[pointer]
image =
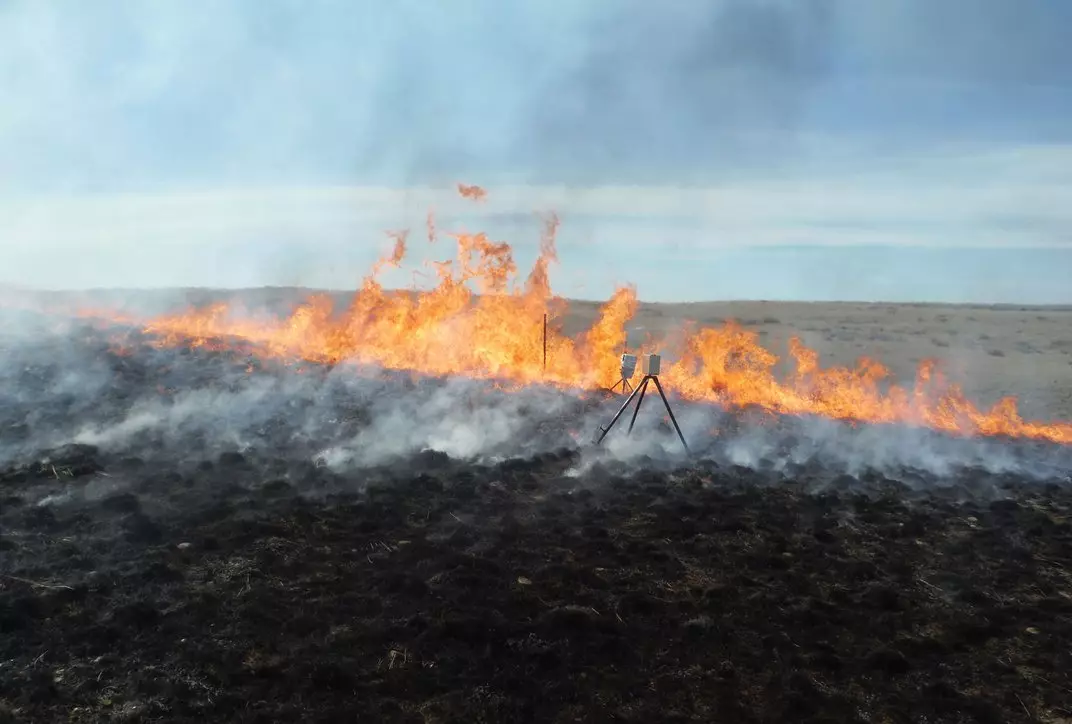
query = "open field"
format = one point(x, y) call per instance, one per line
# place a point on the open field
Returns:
point(198, 535)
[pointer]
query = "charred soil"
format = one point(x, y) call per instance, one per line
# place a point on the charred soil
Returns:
point(460, 593)
point(172, 579)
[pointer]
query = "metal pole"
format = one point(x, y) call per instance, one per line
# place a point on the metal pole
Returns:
point(672, 418)
point(619, 414)
point(639, 402)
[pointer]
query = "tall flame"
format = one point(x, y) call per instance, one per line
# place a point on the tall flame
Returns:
point(479, 322)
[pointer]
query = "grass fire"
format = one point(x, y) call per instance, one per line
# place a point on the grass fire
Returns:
point(481, 362)
point(482, 321)
point(232, 514)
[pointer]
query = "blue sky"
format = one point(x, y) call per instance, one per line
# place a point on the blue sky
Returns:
point(798, 149)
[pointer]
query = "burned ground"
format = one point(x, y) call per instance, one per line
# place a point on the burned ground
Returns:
point(188, 547)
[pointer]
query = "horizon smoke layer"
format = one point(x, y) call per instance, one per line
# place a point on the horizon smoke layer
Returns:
point(760, 141)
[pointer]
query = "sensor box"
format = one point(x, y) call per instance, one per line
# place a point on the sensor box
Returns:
point(651, 363)
point(628, 366)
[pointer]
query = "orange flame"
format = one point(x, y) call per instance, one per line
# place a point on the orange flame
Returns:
point(472, 192)
point(450, 330)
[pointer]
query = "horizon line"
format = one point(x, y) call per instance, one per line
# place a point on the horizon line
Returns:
point(314, 291)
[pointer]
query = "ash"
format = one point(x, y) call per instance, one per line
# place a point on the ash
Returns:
point(191, 535)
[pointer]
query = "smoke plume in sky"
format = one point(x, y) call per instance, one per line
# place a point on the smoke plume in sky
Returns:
point(733, 148)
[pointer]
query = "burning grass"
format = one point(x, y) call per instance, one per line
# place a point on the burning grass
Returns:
point(482, 321)
point(194, 556)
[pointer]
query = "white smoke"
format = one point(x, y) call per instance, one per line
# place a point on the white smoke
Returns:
point(66, 386)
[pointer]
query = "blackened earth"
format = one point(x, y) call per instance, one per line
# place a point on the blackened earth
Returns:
point(169, 578)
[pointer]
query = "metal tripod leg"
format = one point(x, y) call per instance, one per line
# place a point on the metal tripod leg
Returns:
point(640, 401)
point(672, 418)
point(616, 416)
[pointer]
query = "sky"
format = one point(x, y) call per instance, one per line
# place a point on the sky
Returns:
point(895, 150)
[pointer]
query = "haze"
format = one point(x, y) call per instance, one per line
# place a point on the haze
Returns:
point(762, 149)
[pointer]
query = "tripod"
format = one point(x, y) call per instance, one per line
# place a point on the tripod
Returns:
point(642, 389)
point(624, 384)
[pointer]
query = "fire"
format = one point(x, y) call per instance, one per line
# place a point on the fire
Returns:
point(481, 321)
point(472, 192)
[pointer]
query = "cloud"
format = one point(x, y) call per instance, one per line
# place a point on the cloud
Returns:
point(981, 42)
point(1015, 198)
point(126, 95)
point(254, 141)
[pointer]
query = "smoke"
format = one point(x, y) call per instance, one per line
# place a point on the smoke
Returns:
point(198, 143)
point(659, 90)
point(600, 92)
point(133, 93)
point(815, 452)
point(143, 96)
point(461, 418)
point(177, 409)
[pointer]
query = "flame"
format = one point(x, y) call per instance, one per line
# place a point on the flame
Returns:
point(472, 192)
point(480, 322)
